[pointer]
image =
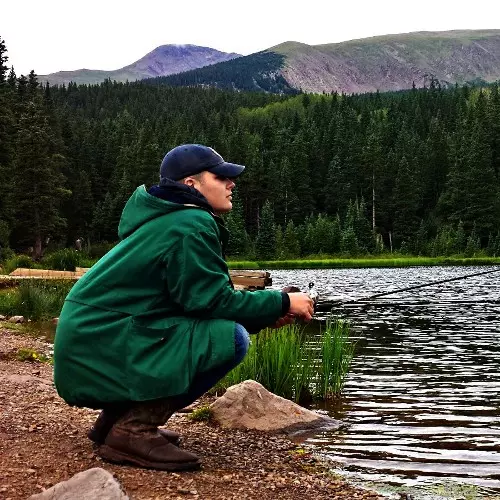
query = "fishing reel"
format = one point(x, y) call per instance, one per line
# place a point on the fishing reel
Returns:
point(312, 292)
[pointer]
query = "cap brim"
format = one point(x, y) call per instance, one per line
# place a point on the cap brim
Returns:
point(227, 169)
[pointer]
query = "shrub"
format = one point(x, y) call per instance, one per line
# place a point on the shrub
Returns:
point(18, 261)
point(37, 299)
point(5, 254)
point(66, 259)
point(98, 250)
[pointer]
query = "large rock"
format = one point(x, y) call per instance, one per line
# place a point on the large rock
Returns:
point(92, 484)
point(249, 405)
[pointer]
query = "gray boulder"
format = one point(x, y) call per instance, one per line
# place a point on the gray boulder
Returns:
point(249, 405)
point(92, 484)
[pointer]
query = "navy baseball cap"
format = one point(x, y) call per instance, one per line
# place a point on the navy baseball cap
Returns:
point(191, 159)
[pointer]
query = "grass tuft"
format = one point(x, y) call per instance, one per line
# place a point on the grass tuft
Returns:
point(35, 299)
point(32, 356)
point(202, 414)
point(290, 364)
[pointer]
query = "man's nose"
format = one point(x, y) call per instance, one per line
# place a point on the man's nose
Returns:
point(231, 184)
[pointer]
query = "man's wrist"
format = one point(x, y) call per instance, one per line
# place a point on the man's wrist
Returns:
point(285, 303)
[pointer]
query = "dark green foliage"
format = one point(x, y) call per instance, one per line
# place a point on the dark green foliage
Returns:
point(37, 299)
point(62, 260)
point(265, 245)
point(414, 171)
point(236, 74)
point(238, 238)
point(38, 187)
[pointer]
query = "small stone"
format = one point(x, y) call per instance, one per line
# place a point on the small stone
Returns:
point(16, 319)
point(95, 484)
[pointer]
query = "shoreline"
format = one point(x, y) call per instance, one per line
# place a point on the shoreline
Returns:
point(44, 442)
point(375, 262)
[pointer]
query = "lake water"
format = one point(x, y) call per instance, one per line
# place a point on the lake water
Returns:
point(421, 404)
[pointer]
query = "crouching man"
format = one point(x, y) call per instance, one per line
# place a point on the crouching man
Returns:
point(156, 322)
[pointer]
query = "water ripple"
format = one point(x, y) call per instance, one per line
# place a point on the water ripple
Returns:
point(422, 401)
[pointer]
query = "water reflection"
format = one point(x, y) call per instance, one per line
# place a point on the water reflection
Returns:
point(422, 400)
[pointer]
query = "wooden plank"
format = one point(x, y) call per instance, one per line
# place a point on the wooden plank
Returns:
point(244, 277)
point(45, 273)
point(256, 274)
point(256, 280)
point(243, 280)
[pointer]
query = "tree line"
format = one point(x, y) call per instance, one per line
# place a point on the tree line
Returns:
point(414, 171)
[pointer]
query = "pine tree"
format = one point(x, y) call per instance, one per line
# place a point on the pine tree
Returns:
point(265, 246)
point(291, 244)
point(6, 141)
point(406, 220)
point(38, 187)
point(471, 194)
point(238, 245)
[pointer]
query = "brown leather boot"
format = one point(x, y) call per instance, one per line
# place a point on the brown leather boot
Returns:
point(135, 439)
point(108, 417)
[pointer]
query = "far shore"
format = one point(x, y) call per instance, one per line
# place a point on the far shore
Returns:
point(365, 262)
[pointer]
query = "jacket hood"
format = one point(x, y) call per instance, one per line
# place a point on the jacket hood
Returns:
point(143, 207)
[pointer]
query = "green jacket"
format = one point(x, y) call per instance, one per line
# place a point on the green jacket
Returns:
point(155, 310)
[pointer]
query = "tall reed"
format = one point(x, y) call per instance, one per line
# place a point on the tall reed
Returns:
point(337, 352)
point(292, 365)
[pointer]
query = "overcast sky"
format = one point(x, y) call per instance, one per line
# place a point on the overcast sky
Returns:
point(109, 34)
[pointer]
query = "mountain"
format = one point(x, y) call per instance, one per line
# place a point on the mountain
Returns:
point(164, 60)
point(384, 63)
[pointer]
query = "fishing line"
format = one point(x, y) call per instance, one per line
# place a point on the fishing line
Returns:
point(414, 287)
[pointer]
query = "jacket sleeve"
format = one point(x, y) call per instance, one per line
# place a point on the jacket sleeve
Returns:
point(198, 280)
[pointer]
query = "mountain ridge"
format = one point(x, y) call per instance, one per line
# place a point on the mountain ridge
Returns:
point(161, 61)
point(388, 62)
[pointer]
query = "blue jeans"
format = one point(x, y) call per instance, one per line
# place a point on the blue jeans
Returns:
point(204, 381)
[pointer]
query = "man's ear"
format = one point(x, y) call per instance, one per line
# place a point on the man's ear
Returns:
point(189, 181)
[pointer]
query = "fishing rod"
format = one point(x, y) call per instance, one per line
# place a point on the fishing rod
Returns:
point(414, 287)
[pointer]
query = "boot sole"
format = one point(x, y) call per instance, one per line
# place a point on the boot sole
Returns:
point(115, 456)
point(98, 441)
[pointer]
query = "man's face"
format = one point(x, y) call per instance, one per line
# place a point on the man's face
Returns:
point(217, 190)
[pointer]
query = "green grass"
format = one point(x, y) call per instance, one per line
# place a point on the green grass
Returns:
point(295, 366)
point(203, 414)
point(32, 356)
point(35, 299)
point(384, 261)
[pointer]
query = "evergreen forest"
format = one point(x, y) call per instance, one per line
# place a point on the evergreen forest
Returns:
point(413, 172)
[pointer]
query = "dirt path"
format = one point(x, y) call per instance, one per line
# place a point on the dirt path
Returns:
point(43, 441)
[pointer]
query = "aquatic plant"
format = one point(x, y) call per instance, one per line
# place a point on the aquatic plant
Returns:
point(337, 351)
point(296, 366)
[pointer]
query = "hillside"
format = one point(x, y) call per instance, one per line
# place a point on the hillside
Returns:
point(384, 63)
point(164, 60)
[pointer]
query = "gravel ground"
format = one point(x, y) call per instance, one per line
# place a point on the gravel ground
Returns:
point(43, 441)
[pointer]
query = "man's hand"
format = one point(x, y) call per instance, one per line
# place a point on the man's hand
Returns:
point(301, 305)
